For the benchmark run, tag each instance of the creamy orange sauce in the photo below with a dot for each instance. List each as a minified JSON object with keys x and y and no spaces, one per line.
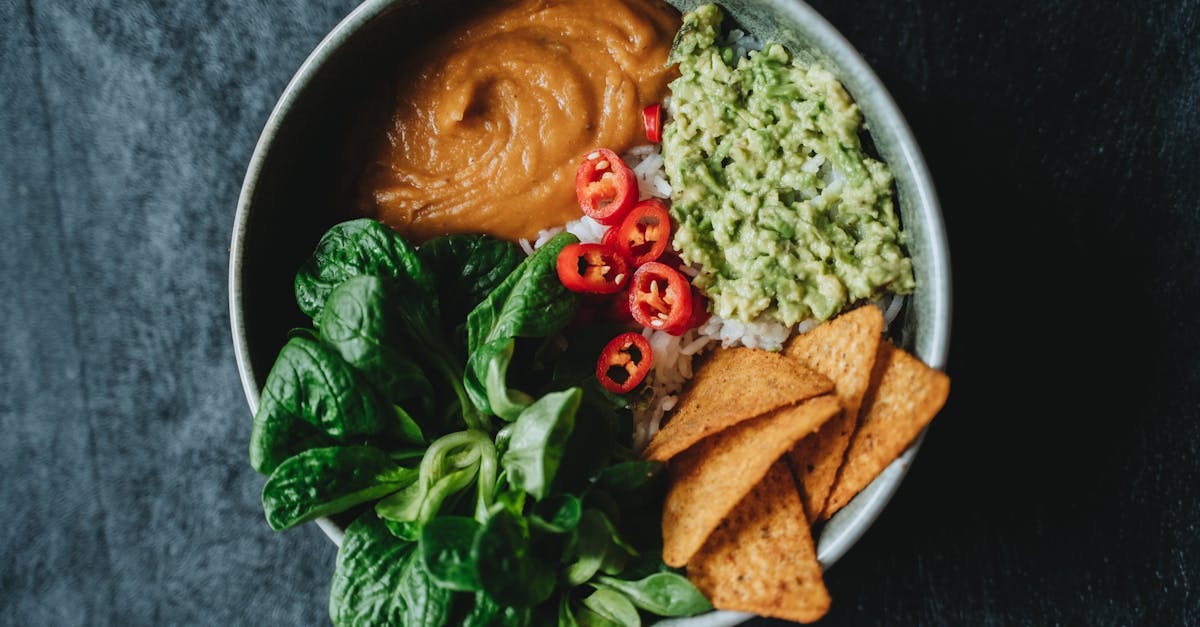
{"x":490,"y":126}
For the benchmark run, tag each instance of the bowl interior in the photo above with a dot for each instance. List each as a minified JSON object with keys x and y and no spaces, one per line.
{"x":301,"y":181}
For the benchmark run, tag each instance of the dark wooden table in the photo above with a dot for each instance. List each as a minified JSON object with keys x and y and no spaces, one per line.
{"x":1058,"y":486}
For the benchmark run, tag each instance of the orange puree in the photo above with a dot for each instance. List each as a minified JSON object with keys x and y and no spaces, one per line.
{"x":490,"y":125}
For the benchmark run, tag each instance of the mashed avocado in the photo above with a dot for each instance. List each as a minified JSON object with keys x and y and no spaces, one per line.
{"x":772,"y":194}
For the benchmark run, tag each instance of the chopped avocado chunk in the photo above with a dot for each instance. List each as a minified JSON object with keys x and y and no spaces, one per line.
{"x":773,"y":196}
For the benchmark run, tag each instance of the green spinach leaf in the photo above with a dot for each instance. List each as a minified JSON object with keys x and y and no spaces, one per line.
{"x":491,"y":393}
{"x":665,"y":594}
{"x":595,"y":546}
{"x":613,"y":606}
{"x":467,"y":268}
{"x":509,"y":570}
{"x":559,"y":513}
{"x":381,"y":580}
{"x":590,"y":446}
{"x":531,"y":302}
{"x":324,"y":481}
{"x":446,"y":543}
{"x":357,"y":321}
{"x":359,"y":247}
{"x":488,"y":613}
{"x":537,"y":441}
{"x":312,"y":398}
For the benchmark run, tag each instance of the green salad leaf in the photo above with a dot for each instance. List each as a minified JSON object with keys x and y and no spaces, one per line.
{"x":324,"y":481}
{"x":313,"y":398}
{"x":358,"y":322}
{"x":386,"y":406}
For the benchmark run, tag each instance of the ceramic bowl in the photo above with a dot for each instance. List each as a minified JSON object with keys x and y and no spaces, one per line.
{"x":301,"y":176}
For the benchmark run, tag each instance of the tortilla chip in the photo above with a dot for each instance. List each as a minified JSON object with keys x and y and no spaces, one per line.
{"x":761,"y":558}
{"x":708,"y":479}
{"x":730,"y":386}
{"x":909,"y":394}
{"x":842,"y":349}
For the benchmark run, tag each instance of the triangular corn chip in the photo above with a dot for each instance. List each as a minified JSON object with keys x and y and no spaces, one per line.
{"x":842,"y":349}
{"x":761,"y":558}
{"x":731,"y":386}
{"x":909,"y":394}
{"x":708,"y":479}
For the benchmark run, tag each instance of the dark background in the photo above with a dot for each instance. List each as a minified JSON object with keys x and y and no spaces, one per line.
{"x":1058,"y":486}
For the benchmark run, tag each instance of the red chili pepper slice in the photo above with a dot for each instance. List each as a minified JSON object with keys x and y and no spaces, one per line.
{"x":624,"y":363}
{"x":660,"y":298}
{"x":605,"y":186}
{"x":652,"y":118}
{"x":610,"y":236}
{"x":592,"y":269}
{"x":645,"y":232}
{"x":700,"y":313}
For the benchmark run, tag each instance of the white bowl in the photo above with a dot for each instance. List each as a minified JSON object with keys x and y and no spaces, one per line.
{"x":303,"y":164}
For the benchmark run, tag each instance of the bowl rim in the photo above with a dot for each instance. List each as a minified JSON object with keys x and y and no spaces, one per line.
{"x":866,"y":507}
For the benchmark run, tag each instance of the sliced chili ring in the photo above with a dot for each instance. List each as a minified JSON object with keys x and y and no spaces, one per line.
{"x":610,"y":236}
{"x":700,"y":313}
{"x":592,"y":268}
{"x":606,"y":188}
{"x":660,"y":298}
{"x":624,"y":363}
{"x":652,"y":119}
{"x":645,"y":232}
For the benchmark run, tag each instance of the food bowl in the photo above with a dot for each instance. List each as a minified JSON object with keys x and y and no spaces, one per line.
{"x":300,"y":181}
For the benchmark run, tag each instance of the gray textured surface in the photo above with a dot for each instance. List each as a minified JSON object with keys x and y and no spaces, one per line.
{"x":126,"y":494}
{"x":1057,"y":487}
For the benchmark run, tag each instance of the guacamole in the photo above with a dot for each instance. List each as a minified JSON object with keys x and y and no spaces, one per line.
{"x":772,"y":194}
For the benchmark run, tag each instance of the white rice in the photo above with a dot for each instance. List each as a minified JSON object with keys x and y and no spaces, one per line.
{"x":673,"y":355}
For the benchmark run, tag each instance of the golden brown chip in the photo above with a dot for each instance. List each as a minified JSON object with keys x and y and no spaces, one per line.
{"x":708,"y":479}
{"x":761,"y":558}
{"x":842,"y":349}
{"x":730,"y":386}
{"x":909,"y":394}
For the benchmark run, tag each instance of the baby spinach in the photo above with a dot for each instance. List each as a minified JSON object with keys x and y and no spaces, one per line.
{"x":313,"y":398}
{"x":358,"y":247}
{"x":357,"y":322}
{"x":324,"y":481}
{"x":370,"y":565}
{"x":467,"y":267}
{"x":559,"y":513}
{"x":488,"y":613}
{"x":509,"y":570}
{"x":590,"y":447}
{"x":665,"y":594}
{"x":613,"y":606}
{"x":531,"y":302}
{"x":446,"y":543}
{"x":493,"y":392}
{"x":537,"y":440}
{"x":491,"y":527}
{"x":630,"y":476}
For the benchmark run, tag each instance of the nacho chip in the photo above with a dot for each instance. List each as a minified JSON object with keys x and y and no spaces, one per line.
{"x":842,"y":349}
{"x":761,"y":558}
{"x":708,"y":479}
{"x":907,"y":397}
{"x":730,"y":386}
